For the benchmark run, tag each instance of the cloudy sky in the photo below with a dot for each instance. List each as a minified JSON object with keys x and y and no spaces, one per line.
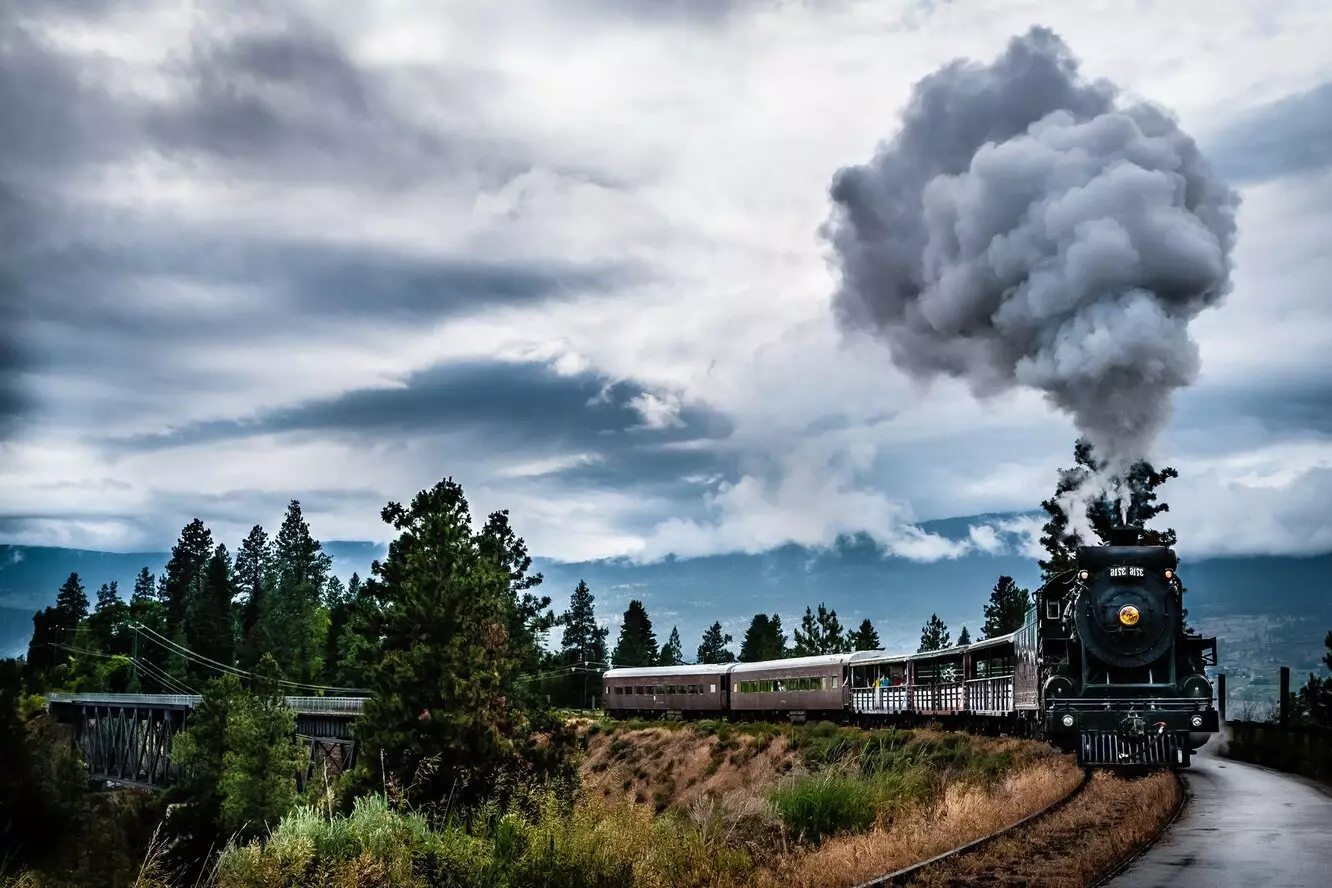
{"x":568,"y":252}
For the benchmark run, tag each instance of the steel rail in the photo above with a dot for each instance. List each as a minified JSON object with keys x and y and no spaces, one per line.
{"x":1180,"y":804}
{"x":904,"y":875}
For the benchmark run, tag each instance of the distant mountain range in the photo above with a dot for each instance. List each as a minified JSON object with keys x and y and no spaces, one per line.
{"x":1267,"y":610}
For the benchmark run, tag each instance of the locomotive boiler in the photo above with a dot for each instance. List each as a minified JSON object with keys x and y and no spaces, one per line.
{"x":1122,"y":681}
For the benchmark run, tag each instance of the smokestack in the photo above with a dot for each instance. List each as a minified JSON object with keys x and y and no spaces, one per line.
{"x":1024,"y":229}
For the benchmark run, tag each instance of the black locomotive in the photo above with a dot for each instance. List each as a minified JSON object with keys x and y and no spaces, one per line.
{"x":1122,"y":681}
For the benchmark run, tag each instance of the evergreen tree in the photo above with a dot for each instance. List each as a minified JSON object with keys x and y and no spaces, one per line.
{"x":583,"y":640}
{"x":147,"y":610}
{"x":712,"y":649}
{"x":71,"y":607}
{"x":254,"y":581}
{"x":1132,"y":501}
{"x":1007,"y":609}
{"x":530,"y":617}
{"x":819,"y":633}
{"x":358,"y":645}
{"x":42,"y":666}
{"x":934,"y":635}
{"x":200,"y":752}
{"x":637,"y":644}
{"x":672,"y":652}
{"x":338,"y":604}
{"x":866,"y":638}
{"x":108,"y":625}
{"x":764,"y":640}
{"x":582,"y":647}
{"x":964,"y":637}
{"x":301,"y":570}
{"x":457,"y":622}
{"x":184,"y":571}
{"x":209,"y":626}
{"x":258,"y":784}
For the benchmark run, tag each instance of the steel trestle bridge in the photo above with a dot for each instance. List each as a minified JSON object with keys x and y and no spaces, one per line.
{"x":127,"y":738}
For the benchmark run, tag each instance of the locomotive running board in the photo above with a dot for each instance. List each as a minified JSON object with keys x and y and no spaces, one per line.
{"x":1112,"y":748}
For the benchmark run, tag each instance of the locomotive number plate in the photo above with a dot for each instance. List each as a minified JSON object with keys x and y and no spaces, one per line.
{"x":1126,"y":571}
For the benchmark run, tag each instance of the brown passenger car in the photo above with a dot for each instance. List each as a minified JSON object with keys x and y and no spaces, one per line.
{"x":802,"y":687}
{"x":654,"y":690}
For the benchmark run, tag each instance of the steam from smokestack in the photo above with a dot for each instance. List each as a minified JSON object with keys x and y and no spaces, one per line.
{"x":1025,"y":229}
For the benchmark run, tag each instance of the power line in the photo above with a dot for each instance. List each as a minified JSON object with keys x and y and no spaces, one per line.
{"x":200,"y":659}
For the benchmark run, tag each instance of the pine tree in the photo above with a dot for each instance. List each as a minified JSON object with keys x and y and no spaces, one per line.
{"x":672,"y":652}
{"x":712,"y":649}
{"x":254,"y":581}
{"x":146,"y":609}
{"x":108,"y":629}
{"x":258,"y":784}
{"x":582,"y":647}
{"x":1007,"y":610}
{"x":337,"y":604}
{"x":1132,"y":502}
{"x":530,"y":617}
{"x":200,"y":753}
{"x":301,"y":570}
{"x":637,"y":644}
{"x":866,"y":638}
{"x":584,"y":641}
{"x":209,"y":627}
{"x":189,"y":559}
{"x":71,"y":607}
{"x":964,"y":637}
{"x":454,"y":616}
{"x":764,"y":640}
{"x":934,"y":635}
{"x":359,"y":645}
{"x":819,"y":633}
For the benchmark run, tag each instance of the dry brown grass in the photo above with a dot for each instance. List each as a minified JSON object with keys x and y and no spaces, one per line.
{"x":1112,"y":818}
{"x":674,"y":768}
{"x":963,"y":814}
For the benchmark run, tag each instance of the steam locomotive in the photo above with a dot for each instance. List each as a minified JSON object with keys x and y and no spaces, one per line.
{"x":1122,"y":681}
{"x":1102,"y":666}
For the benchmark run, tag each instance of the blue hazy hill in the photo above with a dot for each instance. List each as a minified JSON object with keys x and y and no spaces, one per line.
{"x":1263,"y":607}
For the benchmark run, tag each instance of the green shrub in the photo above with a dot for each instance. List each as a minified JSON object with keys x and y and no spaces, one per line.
{"x":822,"y":805}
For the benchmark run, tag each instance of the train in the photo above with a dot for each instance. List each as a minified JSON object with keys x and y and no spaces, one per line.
{"x":1102,"y":666}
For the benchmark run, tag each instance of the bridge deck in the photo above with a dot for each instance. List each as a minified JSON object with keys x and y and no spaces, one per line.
{"x":348,"y":706}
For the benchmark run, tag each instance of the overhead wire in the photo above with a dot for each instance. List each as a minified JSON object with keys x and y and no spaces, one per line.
{"x":202,"y":660}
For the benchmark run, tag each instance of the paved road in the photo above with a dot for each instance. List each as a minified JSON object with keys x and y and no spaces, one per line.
{"x":1245,"y":826}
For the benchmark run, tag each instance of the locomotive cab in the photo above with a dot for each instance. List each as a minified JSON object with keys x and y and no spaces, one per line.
{"x":1124,"y":683}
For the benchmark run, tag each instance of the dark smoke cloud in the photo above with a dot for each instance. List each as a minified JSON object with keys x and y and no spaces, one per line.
{"x":1024,"y":228}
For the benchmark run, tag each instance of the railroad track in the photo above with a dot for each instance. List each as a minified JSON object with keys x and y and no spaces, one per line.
{"x":1184,"y":795}
{"x":905,"y":875}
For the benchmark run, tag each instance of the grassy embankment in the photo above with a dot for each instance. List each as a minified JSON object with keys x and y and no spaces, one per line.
{"x":670,"y":805}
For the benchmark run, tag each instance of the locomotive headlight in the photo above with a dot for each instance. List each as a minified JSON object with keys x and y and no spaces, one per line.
{"x":1067,"y":720}
{"x":1084,"y":575}
{"x":1169,"y":574}
{"x":1128,"y":615}
{"x":1196,"y":721}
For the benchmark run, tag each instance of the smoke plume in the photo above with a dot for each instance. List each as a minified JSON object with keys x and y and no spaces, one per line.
{"x":1027,"y":228}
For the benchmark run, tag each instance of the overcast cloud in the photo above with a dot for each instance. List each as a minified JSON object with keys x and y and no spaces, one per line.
{"x":569,"y":254}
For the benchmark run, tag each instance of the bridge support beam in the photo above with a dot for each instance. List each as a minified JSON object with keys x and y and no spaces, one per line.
{"x":129,"y":744}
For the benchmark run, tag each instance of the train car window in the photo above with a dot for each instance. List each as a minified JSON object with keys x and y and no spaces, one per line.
{"x":619,"y":690}
{"x":834,"y":683}
{"x":1052,"y":609}
{"x":765,"y":686}
{"x":714,"y":689}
